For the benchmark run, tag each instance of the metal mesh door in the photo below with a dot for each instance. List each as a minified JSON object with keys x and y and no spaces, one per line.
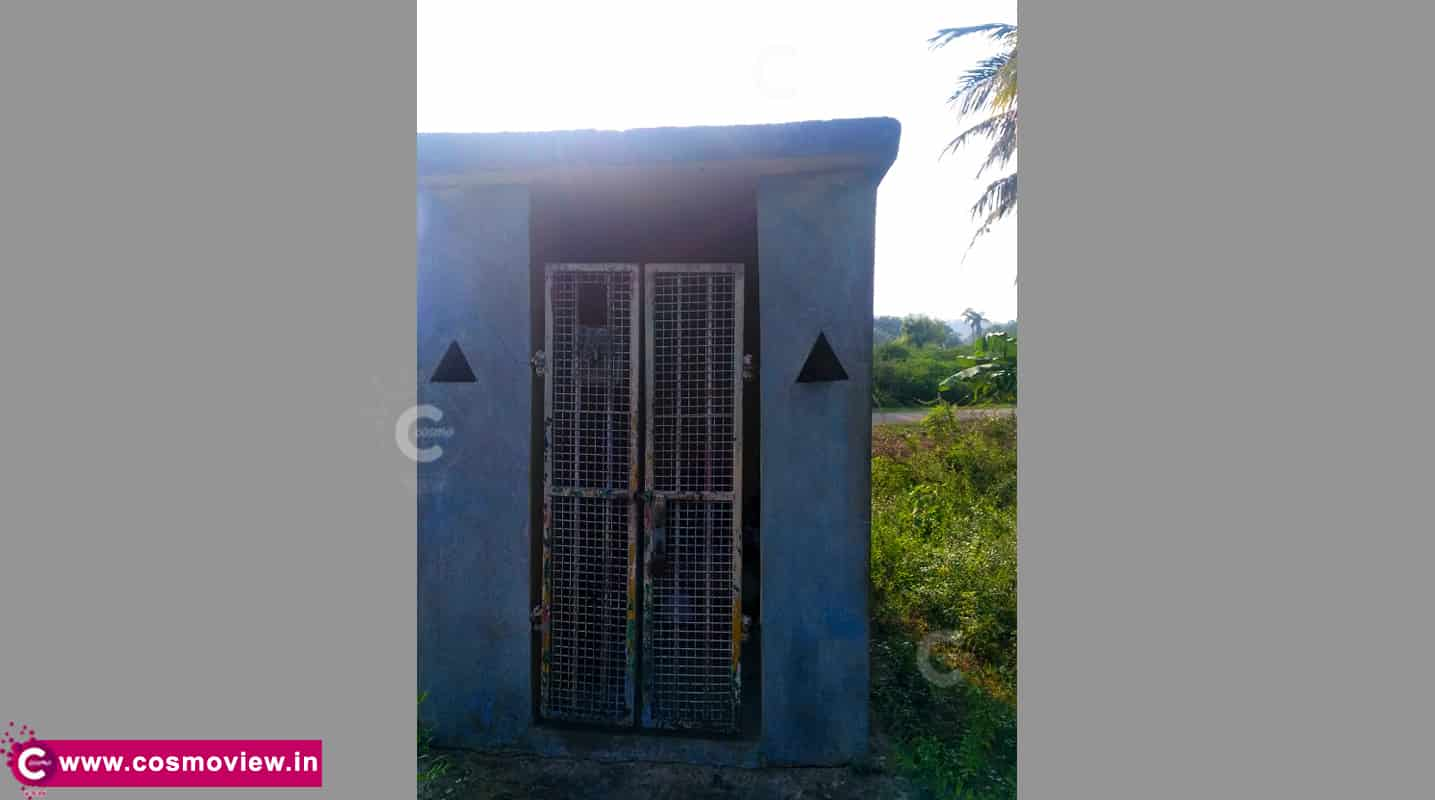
{"x":693,"y":557}
{"x":590,"y":473}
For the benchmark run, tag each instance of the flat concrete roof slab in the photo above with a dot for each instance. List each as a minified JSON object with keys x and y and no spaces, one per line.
{"x":762,"y":149}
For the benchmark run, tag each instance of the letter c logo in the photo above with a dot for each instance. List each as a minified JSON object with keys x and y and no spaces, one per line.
{"x":22,"y":763}
{"x":423,"y":455}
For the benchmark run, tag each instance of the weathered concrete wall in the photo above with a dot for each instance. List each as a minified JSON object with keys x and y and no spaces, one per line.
{"x":815,"y":209}
{"x":815,"y":241}
{"x":473,"y":507}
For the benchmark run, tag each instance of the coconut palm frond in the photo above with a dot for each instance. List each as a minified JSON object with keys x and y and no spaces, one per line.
{"x":1002,"y":128}
{"x":977,"y":320}
{"x":985,"y":72}
{"x":1004,"y":148}
{"x":979,"y":83}
{"x":989,"y":127}
{"x":994,"y":30}
{"x":996,"y":202}
{"x":990,"y":84}
{"x":1005,"y":81}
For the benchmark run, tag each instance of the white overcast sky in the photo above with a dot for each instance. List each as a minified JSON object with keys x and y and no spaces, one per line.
{"x":553,"y":66}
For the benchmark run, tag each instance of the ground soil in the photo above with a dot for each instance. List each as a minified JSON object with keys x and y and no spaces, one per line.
{"x":524,"y":777}
{"x":901,"y":416}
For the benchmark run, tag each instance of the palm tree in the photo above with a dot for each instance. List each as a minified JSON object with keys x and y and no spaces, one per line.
{"x":976,"y":321}
{"x":988,"y":86}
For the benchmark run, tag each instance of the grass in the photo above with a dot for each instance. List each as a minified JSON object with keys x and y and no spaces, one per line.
{"x":432,"y":765}
{"x":944,"y":560}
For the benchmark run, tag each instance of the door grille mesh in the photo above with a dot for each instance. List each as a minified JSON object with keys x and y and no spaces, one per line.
{"x":690,"y":633}
{"x":693,"y":561}
{"x":587,"y":675}
{"x":592,"y":382}
{"x":589,"y":520}
{"x":694,"y":343}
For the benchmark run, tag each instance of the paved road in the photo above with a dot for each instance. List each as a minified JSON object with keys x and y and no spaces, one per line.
{"x":916,"y":415}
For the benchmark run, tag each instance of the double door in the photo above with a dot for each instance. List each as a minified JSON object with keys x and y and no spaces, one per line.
{"x":642,"y":537}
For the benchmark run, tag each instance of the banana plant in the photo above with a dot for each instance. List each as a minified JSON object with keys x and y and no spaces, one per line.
{"x":990,"y":370}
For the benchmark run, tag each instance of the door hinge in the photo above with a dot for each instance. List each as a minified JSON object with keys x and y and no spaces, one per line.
{"x":749,"y":368}
{"x":539,"y":618}
{"x":537,"y":362}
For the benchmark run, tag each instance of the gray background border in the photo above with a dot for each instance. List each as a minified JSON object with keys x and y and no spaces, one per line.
{"x":207,"y":320}
{"x":1224,"y":584}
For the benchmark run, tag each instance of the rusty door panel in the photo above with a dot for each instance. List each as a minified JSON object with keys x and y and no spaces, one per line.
{"x":590,"y":477}
{"x":692,"y":565}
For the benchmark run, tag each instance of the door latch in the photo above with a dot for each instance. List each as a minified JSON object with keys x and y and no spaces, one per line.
{"x":539,"y":618}
{"x":658,"y":564}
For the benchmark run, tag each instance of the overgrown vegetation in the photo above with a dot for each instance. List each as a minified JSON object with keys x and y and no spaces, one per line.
{"x":944,"y":560}
{"x":431,"y":764}
{"x":920,"y":366}
{"x":990,"y":370}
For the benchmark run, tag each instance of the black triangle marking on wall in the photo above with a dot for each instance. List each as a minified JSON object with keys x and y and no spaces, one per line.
{"x":822,"y":364}
{"x":453,"y":367}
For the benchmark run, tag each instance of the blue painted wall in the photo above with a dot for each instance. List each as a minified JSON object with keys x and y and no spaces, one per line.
{"x":473,"y":501}
{"x":815,"y":242}
{"x":815,"y":234}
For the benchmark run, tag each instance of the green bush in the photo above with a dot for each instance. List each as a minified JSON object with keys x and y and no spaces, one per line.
{"x":989,"y":370}
{"x":905,"y":375}
{"x":959,"y":741}
{"x":944,"y":559}
{"x":922,"y":330}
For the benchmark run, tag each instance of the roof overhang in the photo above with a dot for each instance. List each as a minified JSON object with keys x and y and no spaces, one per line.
{"x":450,"y":159}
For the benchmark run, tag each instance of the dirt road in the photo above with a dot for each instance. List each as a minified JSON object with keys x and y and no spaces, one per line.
{"x":916,"y":414}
